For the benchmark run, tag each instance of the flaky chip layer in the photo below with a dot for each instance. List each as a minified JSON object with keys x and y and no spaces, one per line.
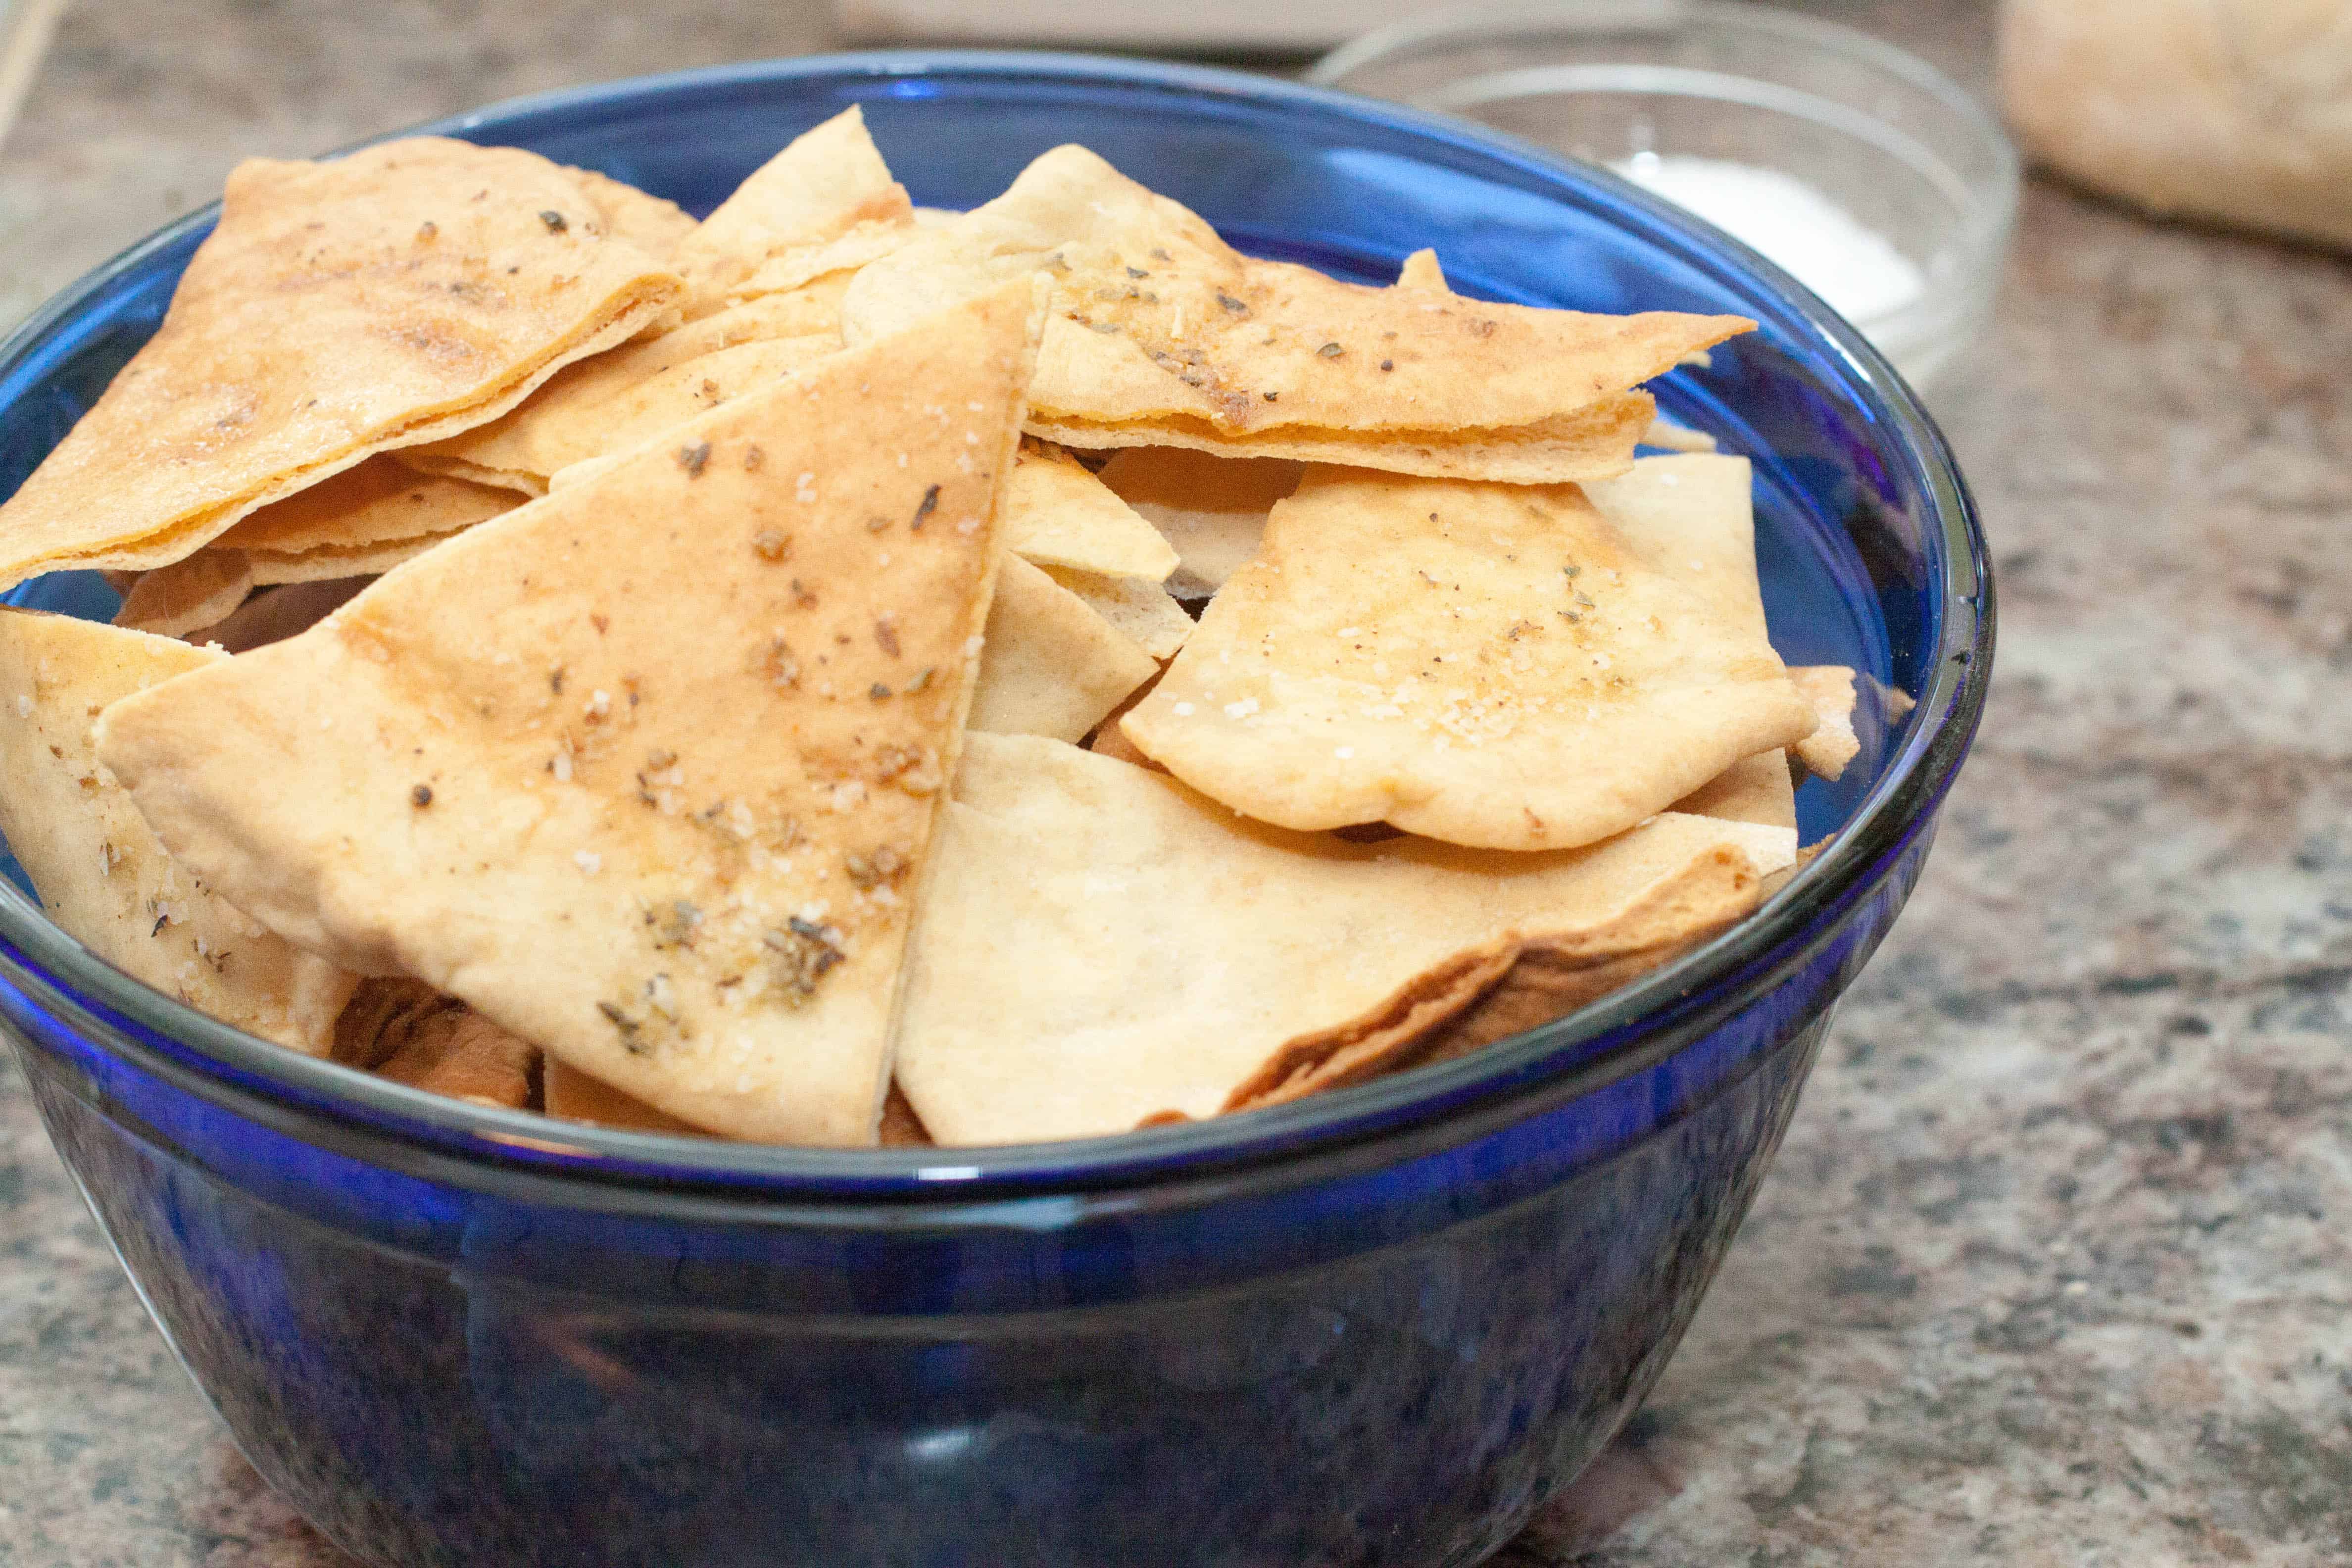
{"x":1829,"y":688}
{"x":406,"y":292}
{"x":1101,"y":945}
{"x":1053,"y":666}
{"x":1489,"y":665}
{"x":1058,"y":514}
{"x":645,"y":772}
{"x":1213,"y":510}
{"x":1163,"y":333}
{"x":380,"y":502}
{"x":826,"y":203}
{"x":101,"y":874}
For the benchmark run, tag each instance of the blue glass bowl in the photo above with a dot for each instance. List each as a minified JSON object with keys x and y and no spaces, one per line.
{"x":1373,"y":1328}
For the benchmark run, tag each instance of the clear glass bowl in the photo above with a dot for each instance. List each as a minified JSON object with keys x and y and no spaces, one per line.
{"x":1901,"y":147}
{"x":1374,"y":1327}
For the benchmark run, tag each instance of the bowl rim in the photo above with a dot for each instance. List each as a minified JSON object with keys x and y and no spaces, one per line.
{"x":324,"y":1102}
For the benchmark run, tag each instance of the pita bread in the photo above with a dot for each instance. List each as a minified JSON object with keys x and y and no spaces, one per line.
{"x":826,"y":203}
{"x":275,"y":614}
{"x":1138,"y":608}
{"x":1489,"y":665}
{"x":174,"y":600}
{"x":1421,"y":272}
{"x":1052,"y":666}
{"x":1162,"y":334}
{"x":1692,"y":517}
{"x":1755,"y":789}
{"x":608,"y":409}
{"x":335,"y":564}
{"x":463,"y":1055}
{"x":380,"y":502}
{"x":1212,"y":509}
{"x":340,"y":309}
{"x":1829,"y":688}
{"x":575,"y":1097}
{"x":652,"y":224}
{"x":645,"y":772}
{"x":1058,"y":514}
{"x":101,"y":874}
{"x":1101,"y":945}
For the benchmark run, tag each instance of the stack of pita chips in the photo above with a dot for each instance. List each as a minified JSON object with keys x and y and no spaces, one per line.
{"x":838,"y":674}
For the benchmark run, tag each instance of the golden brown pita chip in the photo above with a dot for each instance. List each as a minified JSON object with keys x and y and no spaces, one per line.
{"x":275,"y":614}
{"x":575,"y":1097}
{"x":407,"y":291}
{"x":1829,"y":688}
{"x":645,"y":772}
{"x":174,"y":600}
{"x":651,"y":223}
{"x":826,"y":203}
{"x":1138,"y":608}
{"x":458,"y":1053}
{"x":1109,"y":741}
{"x":1162,"y":334}
{"x":1100,"y":945}
{"x":335,"y":563}
{"x":1692,"y":517}
{"x":608,"y":410}
{"x":901,"y":1127}
{"x":380,"y":502}
{"x":1490,"y":665}
{"x":101,"y":875}
{"x":1058,"y":514}
{"x":1052,"y":666}
{"x":1212,"y":509}
{"x":1421,"y":272}
{"x":1756,"y":789}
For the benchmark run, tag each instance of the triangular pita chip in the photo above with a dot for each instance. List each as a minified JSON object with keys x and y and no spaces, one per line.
{"x":1052,"y":666}
{"x":1101,"y":945}
{"x":1164,"y":334}
{"x":645,"y":772}
{"x":1421,"y":272}
{"x":1212,"y":509}
{"x":1829,"y":688}
{"x":409,"y":290}
{"x":1058,"y":514}
{"x":826,"y":203}
{"x":1138,"y":609}
{"x":570,"y":424}
{"x":575,"y":1097}
{"x":275,"y":614}
{"x":101,"y":874}
{"x":652,"y":224}
{"x":1755,"y":789}
{"x":173,"y":600}
{"x":407,"y":1032}
{"x":1489,"y":665}
{"x":380,"y":502}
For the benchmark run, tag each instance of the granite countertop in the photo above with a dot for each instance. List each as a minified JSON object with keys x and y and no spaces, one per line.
{"x":2056,"y":1266}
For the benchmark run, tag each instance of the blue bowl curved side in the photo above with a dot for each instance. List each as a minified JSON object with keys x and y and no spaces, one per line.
{"x":1376,"y":1330}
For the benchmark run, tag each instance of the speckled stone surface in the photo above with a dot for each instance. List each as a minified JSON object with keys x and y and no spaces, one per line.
{"x":2057,"y":1264}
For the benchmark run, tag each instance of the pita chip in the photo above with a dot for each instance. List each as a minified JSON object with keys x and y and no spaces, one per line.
{"x":174,"y":600}
{"x":1755,"y":789}
{"x":406,"y":1031}
{"x":273,"y":615}
{"x":1138,"y":608}
{"x":1052,"y":666}
{"x":575,"y":1097}
{"x":651,"y":223}
{"x":645,"y":772}
{"x":338,"y":309}
{"x":1421,"y":272}
{"x":1058,"y":514}
{"x":826,"y":203}
{"x":1212,"y":509}
{"x":1101,"y":945}
{"x":1829,"y":688}
{"x":1492,"y":666}
{"x":614,"y":403}
{"x":380,"y":502}
{"x":1162,"y":334}
{"x":102,"y":876}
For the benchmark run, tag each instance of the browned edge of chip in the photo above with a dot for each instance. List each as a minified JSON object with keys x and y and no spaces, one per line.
{"x":1366,"y":1046}
{"x":901,"y":1127}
